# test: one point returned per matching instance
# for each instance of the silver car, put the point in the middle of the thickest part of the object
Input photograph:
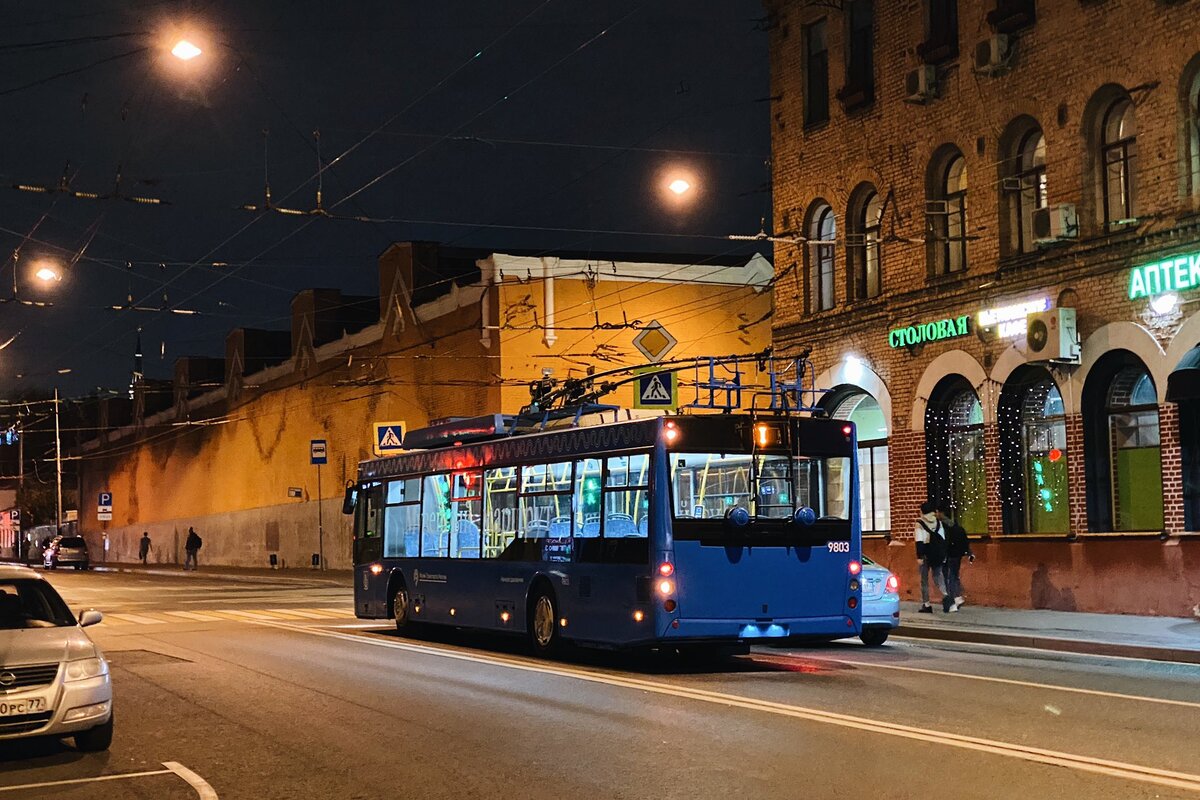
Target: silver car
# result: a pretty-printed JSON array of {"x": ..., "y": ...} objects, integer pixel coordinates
[
  {"x": 66, "y": 551},
  {"x": 54, "y": 681}
]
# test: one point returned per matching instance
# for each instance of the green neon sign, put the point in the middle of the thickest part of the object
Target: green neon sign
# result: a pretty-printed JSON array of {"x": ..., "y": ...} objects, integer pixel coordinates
[
  {"x": 930, "y": 331},
  {"x": 1175, "y": 274}
]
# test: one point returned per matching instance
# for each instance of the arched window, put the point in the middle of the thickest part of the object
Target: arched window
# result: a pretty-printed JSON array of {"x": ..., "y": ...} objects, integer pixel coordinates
[
  {"x": 862, "y": 243},
  {"x": 1121, "y": 441},
  {"x": 1118, "y": 151},
  {"x": 822, "y": 233},
  {"x": 947, "y": 214},
  {"x": 1190, "y": 105},
  {"x": 954, "y": 449},
  {"x": 1025, "y": 187},
  {"x": 874, "y": 486},
  {"x": 1033, "y": 454}
]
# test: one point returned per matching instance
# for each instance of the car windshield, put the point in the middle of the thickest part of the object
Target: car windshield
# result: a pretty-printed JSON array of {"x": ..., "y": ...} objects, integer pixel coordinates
[{"x": 31, "y": 603}]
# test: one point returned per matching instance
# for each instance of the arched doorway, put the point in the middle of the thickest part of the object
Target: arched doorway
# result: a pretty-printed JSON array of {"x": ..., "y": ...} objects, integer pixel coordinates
[
  {"x": 954, "y": 451},
  {"x": 1033, "y": 453},
  {"x": 1122, "y": 445},
  {"x": 852, "y": 404}
]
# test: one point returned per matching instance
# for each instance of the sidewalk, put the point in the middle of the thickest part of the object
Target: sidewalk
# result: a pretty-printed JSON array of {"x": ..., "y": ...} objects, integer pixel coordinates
[
  {"x": 339, "y": 577},
  {"x": 1159, "y": 638}
]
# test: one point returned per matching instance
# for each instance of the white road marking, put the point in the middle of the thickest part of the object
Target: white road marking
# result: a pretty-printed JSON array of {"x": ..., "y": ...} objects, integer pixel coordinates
[
  {"x": 136, "y": 619},
  {"x": 203, "y": 790},
  {"x": 1007, "y": 681},
  {"x": 1100, "y": 766},
  {"x": 196, "y": 616},
  {"x": 97, "y": 779}
]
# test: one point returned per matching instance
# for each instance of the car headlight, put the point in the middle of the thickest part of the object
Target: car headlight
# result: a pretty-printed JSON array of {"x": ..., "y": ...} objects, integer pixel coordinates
[{"x": 86, "y": 668}]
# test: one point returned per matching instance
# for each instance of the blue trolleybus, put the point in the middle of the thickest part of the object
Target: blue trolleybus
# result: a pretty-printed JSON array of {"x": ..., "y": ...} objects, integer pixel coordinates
[{"x": 662, "y": 532}]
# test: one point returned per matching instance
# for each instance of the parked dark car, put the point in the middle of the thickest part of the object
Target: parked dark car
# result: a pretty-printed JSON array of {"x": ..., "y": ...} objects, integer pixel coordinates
[{"x": 66, "y": 551}]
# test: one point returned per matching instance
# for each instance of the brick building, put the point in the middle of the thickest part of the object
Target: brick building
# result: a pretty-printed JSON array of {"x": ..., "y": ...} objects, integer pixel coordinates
[
  {"x": 995, "y": 209},
  {"x": 224, "y": 446}
]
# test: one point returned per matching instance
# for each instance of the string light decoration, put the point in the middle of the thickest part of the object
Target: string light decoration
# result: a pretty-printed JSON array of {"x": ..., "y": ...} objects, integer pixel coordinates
[
  {"x": 954, "y": 452},
  {"x": 1033, "y": 454}
]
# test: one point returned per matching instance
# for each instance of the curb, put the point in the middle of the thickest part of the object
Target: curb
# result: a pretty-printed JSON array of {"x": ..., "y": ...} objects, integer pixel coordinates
[{"x": 1080, "y": 646}]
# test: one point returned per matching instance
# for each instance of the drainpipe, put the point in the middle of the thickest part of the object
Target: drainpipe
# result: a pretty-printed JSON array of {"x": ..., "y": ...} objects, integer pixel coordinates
[
  {"x": 487, "y": 275},
  {"x": 549, "y": 337}
]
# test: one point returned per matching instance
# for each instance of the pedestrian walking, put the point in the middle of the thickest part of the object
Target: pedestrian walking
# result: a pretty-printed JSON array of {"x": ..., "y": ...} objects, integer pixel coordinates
[
  {"x": 958, "y": 546},
  {"x": 192, "y": 547},
  {"x": 931, "y": 553},
  {"x": 144, "y": 546}
]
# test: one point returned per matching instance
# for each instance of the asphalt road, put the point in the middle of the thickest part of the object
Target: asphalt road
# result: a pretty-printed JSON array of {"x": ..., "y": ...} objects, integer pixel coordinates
[{"x": 266, "y": 687}]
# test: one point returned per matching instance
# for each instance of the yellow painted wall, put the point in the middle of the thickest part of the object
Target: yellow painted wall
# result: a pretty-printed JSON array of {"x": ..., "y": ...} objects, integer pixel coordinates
[{"x": 706, "y": 319}]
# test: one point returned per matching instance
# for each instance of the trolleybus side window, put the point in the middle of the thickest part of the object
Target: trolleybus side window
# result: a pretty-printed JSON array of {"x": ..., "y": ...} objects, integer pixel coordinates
[
  {"x": 435, "y": 516},
  {"x": 500, "y": 510},
  {"x": 626, "y": 496},
  {"x": 546, "y": 500},
  {"x": 588, "y": 481},
  {"x": 466, "y": 514},
  {"x": 402, "y": 520}
]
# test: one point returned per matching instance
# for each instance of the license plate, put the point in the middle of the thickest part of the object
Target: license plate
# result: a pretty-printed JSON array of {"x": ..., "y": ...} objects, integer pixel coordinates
[{"x": 31, "y": 705}]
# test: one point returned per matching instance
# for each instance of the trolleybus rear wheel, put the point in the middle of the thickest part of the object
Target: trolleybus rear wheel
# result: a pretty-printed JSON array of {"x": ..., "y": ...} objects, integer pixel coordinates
[{"x": 543, "y": 623}]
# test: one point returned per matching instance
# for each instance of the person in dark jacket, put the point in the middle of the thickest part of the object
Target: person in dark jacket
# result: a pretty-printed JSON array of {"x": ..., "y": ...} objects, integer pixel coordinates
[
  {"x": 958, "y": 546},
  {"x": 144, "y": 546},
  {"x": 192, "y": 547},
  {"x": 930, "y": 537}
]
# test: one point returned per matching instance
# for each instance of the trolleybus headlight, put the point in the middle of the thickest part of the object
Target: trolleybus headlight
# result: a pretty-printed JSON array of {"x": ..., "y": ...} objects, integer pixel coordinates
[
  {"x": 666, "y": 569},
  {"x": 855, "y": 567},
  {"x": 376, "y": 569},
  {"x": 666, "y": 587}
]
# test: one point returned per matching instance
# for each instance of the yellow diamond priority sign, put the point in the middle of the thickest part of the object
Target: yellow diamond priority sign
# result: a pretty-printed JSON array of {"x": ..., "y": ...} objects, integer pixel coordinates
[{"x": 654, "y": 342}]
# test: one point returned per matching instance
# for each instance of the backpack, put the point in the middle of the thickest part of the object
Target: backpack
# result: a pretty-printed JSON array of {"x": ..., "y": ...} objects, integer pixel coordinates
[{"x": 935, "y": 549}]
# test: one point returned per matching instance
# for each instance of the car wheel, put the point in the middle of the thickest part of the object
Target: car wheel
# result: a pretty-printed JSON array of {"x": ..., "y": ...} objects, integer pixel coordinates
[
  {"x": 874, "y": 637},
  {"x": 96, "y": 739},
  {"x": 543, "y": 623}
]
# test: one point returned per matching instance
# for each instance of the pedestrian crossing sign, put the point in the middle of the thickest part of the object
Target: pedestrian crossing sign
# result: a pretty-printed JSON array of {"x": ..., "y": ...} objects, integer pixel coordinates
[
  {"x": 656, "y": 389},
  {"x": 389, "y": 438}
]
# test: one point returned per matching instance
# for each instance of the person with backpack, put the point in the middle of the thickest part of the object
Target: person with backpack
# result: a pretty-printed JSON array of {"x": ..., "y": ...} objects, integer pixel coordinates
[
  {"x": 958, "y": 546},
  {"x": 931, "y": 553},
  {"x": 192, "y": 547}
]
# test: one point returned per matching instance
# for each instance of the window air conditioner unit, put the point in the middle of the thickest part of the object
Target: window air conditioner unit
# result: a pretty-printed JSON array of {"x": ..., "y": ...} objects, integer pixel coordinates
[
  {"x": 992, "y": 54},
  {"x": 1055, "y": 224},
  {"x": 920, "y": 85},
  {"x": 1052, "y": 336}
]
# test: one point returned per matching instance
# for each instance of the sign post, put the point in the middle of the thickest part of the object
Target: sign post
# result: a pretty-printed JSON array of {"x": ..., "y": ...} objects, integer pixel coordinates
[{"x": 319, "y": 454}]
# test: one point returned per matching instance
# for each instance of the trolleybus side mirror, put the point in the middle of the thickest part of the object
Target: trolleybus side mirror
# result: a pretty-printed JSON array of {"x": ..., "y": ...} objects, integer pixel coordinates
[{"x": 350, "y": 500}]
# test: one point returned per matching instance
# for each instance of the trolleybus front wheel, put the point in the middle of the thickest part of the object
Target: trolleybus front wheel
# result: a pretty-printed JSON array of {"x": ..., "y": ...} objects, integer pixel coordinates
[
  {"x": 404, "y": 623},
  {"x": 543, "y": 623}
]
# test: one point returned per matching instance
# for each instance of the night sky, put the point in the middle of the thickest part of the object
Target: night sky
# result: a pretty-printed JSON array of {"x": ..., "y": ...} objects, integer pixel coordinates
[{"x": 523, "y": 116}]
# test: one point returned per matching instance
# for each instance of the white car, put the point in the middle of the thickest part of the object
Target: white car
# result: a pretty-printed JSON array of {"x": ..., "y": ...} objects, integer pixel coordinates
[{"x": 54, "y": 681}]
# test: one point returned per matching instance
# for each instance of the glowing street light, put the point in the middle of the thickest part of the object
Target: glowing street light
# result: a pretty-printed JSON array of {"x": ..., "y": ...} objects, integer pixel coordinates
[
  {"x": 185, "y": 50},
  {"x": 679, "y": 186},
  {"x": 47, "y": 271}
]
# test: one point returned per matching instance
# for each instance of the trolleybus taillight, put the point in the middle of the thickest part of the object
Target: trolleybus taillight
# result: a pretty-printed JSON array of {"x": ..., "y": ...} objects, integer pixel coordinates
[
  {"x": 666, "y": 569},
  {"x": 855, "y": 567}
]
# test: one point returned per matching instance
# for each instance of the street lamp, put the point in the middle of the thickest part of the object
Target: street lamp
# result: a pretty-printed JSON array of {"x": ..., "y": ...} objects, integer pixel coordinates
[
  {"x": 185, "y": 50},
  {"x": 679, "y": 186},
  {"x": 47, "y": 271}
]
